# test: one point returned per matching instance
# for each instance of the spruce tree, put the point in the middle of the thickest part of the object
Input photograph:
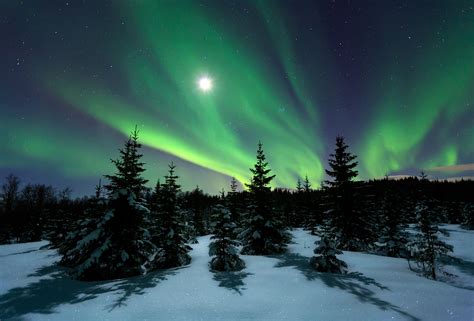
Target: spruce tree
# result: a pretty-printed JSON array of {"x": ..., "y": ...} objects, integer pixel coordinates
[
  {"x": 299, "y": 186},
  {"x": 117, "y": 242},
  {"x": 326, "y": 261},
  {"x": 155, "y": 198},
  {"x": 348, "y": 222},
  {"x": 233, "y": 185},
  {"x": 170, "y": 233},
  {"x": 129, "y": 168},
  {"x": 306, "y": 185},
  {"x": 311, "y": 208},
  {"x": 343, "y": 164},
  {"x": 426, "y": 248},
  {"x": 302, "y": 208},
  {"x": 468, "y": 216},
  {"x": 262, "y": 232},
  {"x": 224, "y": 247},
  {"x": 99, "y": 190},
  {"x": 295, "y": 217},
  {"x": 232, "y": 201},
  {"x": 393, "y": 237},
  {"x": 195, "y": 204},
  {"x": 82, "y": 225}
]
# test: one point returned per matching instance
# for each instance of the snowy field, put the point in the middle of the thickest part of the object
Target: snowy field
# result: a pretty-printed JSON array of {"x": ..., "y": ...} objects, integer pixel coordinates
[{"x": 270, "y": 288}]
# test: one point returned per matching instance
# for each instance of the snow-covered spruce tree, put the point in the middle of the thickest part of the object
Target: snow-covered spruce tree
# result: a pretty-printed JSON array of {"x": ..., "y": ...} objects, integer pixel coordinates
[
  {"x": 348, "y": 220},
  {"x": 95, "y": 208},
  {"x": 326, "y": 261},
  {"x": 262, "y": 233},
  {"x": 189, "y": 231},
  {"x": 311, "y": 206},
  {"x": 129, "y": 169},
  {"x": 426, "y": 248},
  {"x": 154, "y": 200},
  {"x": 169, "y": 234},
  {"x": 393, "y": 237},
  {"x": 224, "y": 247},
  {"x": 233, "y": 205},
  {"x": 117, "y": 243},
  {"x": 468, "y": 216}
]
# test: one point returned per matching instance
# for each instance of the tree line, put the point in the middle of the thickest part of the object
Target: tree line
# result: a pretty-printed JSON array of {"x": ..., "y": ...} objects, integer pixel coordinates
[{"x": 128, "y": 229}]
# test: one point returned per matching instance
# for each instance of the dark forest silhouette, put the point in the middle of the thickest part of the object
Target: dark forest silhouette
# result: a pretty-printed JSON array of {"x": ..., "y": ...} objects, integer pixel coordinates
[{"x": 159, "y": 223}]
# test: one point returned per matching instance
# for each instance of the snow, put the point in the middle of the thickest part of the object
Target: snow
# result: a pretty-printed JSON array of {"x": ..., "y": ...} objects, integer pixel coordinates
[
  {"x": 91, "y": 237},
  {"x": 124, "y": 256},
  {"x": 281, "y": 287},
  {"x": 94, "y": 256},
  {"x": 256, "y": 235}
]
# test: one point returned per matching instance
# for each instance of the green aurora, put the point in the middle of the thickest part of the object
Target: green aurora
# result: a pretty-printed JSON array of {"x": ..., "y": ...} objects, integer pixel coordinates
[{"x": 276, "y": 79}]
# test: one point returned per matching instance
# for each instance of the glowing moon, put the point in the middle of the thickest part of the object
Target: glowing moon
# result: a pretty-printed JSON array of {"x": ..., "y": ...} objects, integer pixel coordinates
[{"x": 205, "y": 83}]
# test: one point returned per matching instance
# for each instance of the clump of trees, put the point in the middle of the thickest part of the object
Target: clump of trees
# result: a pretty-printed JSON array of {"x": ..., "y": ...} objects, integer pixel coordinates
[
  {"x": 427, "y": 248},
  {"x": 34, "y": 212},
  {"x": 127, "y": 228},
  {"x": 169, "y": 227},
  {"x": 468, "y": 216},
  {"x": 116, "y": 243},
  {"x": 393, "y": 237},
  {"x": 121, "y": 236}
]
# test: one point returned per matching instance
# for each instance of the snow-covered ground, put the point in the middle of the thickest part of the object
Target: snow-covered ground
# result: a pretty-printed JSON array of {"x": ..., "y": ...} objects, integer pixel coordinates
[{"x": 270, "y": 288}]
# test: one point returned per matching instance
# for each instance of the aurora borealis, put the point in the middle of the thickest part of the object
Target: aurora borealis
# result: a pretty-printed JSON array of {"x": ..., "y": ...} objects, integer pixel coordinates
[{"x": 396, "y": 78}]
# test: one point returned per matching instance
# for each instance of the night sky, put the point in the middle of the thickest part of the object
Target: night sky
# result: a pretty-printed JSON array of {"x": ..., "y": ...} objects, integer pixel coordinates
[{"x": 396, "y": 78}]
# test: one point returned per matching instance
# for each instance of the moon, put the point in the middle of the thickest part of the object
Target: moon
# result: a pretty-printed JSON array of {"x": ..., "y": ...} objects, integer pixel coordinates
[{"x": 205, "y": 84}]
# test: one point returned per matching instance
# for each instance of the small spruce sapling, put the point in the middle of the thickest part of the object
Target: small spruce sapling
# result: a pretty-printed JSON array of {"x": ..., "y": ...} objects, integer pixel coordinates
[
  {"x": 224, "y": 247},
  {"x": 326, "y": 261}
]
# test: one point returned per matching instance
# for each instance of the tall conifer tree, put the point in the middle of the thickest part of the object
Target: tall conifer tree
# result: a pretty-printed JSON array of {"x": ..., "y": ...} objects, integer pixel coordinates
[
  {"x": 393, "y": 237},
  {"x": 170, "y": 235},
  {"x": 348, "y": 222},
  {"x": 129, "y": 168},
  {"x": 262, "y": 233},
  {"x": 115, "y": 243},
  {"x": 223, "y": 248},
  {"x": 427, "y": 247}
]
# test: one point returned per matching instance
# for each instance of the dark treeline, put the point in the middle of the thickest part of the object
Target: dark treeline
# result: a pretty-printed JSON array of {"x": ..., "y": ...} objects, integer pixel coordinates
[
  {"x": 36, "y": 211},
  {"x": 127, "y": 229}
]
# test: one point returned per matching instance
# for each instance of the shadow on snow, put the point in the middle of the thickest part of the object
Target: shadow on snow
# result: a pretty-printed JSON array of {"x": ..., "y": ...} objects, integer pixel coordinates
[
  {"x": 354, "y": 283},
  {"x": 233, "y": 281},
  {"x": 56, "y": 287},
  {"x": 18, "y": 253}
]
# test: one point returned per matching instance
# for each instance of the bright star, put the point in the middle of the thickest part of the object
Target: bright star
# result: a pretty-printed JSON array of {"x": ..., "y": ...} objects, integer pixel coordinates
[{"x": 205, "y": 83}]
